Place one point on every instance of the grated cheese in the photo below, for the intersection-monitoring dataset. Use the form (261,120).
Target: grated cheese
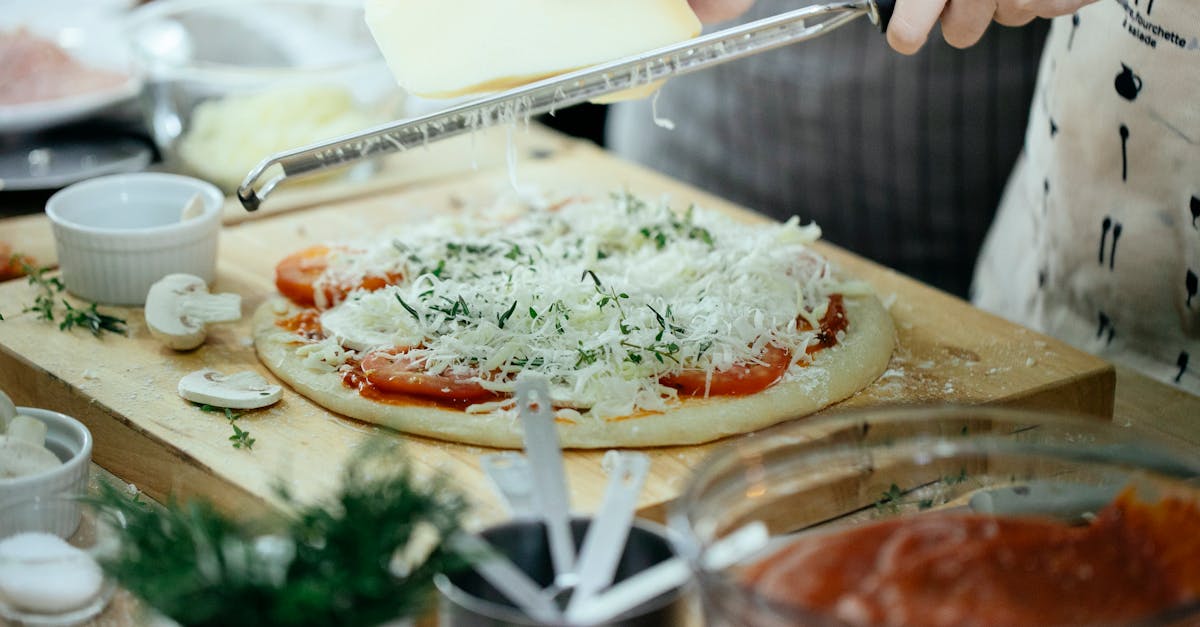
(602,297)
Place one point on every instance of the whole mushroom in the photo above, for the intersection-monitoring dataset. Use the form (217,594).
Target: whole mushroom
(178,307)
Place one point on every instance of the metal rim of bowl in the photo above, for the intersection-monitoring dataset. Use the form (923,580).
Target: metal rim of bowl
(148,13)
(1116,448)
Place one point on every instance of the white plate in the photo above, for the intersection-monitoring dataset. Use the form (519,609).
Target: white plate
(91,37)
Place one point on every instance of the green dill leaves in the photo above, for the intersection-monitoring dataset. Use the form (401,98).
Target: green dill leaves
(329,563)
(589,273)
(454,308)
(407,307)
(503,318)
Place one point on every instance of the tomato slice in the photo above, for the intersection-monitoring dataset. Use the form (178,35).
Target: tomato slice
(11,263)
(740,379)
(297,274)
(394,371)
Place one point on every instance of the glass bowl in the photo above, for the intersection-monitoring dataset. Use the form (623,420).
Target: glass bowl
(935,516)
(43,582)
(230,82)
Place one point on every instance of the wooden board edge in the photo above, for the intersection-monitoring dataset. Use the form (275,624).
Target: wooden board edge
(1091,394)
(175,474)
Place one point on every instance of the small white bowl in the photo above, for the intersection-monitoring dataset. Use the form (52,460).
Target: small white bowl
(117,235)
(71,442)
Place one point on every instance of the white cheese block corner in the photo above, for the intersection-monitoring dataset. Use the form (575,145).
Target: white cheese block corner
(447,48)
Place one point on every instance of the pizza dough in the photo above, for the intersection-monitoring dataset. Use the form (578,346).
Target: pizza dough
(835,374)
(652,327)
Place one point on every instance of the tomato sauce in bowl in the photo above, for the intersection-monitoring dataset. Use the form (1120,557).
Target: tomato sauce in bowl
(948,516)
(1134,561)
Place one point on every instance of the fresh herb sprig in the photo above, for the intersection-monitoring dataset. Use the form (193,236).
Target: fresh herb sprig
(366,557)
(241,438)
(49,288)
(91,319)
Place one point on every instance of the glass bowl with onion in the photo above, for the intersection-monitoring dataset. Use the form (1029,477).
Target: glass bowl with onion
(227,83)
(51,547)
(949,516)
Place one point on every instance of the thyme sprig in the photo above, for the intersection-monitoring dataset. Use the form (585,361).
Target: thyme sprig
(91,319)
(241,438)
(44,304)
(365,557)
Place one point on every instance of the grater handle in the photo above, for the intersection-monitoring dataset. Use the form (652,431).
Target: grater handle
(881,13)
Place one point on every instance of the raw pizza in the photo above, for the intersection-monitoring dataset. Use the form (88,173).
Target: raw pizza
(652,327)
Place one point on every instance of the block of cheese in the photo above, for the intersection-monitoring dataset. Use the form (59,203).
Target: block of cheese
(447,48)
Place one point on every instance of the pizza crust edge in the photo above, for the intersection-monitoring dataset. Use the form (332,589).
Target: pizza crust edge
(835,374)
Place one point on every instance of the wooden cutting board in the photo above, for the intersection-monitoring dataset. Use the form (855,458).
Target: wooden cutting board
(124,387)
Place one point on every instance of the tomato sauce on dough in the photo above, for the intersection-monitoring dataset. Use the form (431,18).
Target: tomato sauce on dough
(833,323)
(354,378)
(740,380)
(306,324)
(1132,562)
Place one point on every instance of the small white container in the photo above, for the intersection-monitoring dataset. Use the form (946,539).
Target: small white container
(117,235)
(71,442)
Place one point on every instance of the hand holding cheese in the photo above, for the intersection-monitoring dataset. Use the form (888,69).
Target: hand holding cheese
(710,11)
(446,48)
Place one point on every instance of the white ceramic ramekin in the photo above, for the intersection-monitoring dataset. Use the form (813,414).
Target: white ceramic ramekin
(117,235)
(71,441)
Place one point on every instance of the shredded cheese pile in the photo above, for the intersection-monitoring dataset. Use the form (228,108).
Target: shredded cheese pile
(602,297)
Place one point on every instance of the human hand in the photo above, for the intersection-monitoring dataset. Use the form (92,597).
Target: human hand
(710,11)
(964,21)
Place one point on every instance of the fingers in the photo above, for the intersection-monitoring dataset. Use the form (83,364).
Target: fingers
(965,21)
(911,22)
(711,11)
(1021,12)
(1016,12)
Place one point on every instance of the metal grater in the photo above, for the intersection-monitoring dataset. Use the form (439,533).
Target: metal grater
(561,91)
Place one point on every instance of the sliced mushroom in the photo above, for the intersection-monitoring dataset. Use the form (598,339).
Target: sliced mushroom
(179,306)
(243,390)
